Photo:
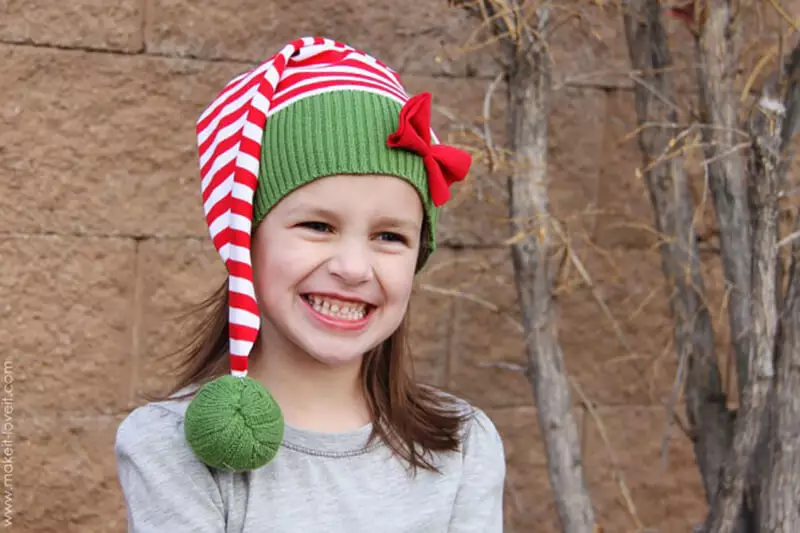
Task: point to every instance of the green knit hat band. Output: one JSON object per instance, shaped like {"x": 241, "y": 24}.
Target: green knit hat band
{"x": 337, "y": 132}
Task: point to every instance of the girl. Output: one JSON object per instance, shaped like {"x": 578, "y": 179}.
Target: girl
{"x": 296, "y": 411}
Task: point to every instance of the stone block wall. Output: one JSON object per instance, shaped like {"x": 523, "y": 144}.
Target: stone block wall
{"x": 102, "y": 242}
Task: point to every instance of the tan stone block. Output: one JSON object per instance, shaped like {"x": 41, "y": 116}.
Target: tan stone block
{"x": 65, "y": 475}
{"x": 575, "y": 148}
{"x": 477, "y": 212}
{"x": 666, "y": 497}
{"x": 638, "y": 367}
{"x": 588, "y": 46}
{"x": 64, "y": 321}
{"x": 408, "y": 40}
{"x": 624, "y": 213}
{"x": 102, "y": 143}
{"x": 485, "y": 338}
{"x": 528, "y": 498}
{"x": 176, "y": 275}
{"x": 431, "y": 319}
{"x": 82, "y": 23}
{"x": 487, "y": 343}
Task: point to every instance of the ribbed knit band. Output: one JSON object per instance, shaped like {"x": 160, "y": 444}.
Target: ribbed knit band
{"x": 339, "y": 132}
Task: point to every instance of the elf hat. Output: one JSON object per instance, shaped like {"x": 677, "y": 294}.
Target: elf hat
{"x": 317, "y": 108}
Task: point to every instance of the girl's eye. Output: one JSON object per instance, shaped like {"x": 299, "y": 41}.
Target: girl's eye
{"x": 392, "y": 237}
{"x": 322, "y": 227}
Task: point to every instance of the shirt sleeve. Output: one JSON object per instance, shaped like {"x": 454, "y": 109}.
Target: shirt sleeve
{"x": 165, "y": 487}
{"x": 479, "y": 501}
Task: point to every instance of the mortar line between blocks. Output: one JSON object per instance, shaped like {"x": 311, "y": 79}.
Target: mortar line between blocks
{"x": 600, "y": 408}
{"x": 447, "y": 368}
{"x": 143, "y": 28}
{"x": 601, "y": 170}
{"x": 61, "y": 420}
{"x": 136, "y": 323}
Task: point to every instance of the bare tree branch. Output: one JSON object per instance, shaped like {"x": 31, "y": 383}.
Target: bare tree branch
{"x": 764, "y": 180}
{"x": 529, "y": 92}
{"x": 618, "y": 475}
{"x": 529, "y": 88}
{"x": 673, "y": 213}
{"x": 780, "y": 512}
{"x": 717, "y": 55}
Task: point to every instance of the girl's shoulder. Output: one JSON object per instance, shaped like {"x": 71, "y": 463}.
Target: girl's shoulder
{"x": 155, "y": 427}
{"x": 472, "y": 414}
{"x": 482, "y": 444}
{"x": 480, "y": 437}
{"x": 166, "y": 487}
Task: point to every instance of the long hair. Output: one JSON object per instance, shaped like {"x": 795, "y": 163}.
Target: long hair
{"x": 413, "y": 419}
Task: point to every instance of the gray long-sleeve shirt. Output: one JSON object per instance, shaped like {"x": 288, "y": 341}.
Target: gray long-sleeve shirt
{"x": 318, "y": 483}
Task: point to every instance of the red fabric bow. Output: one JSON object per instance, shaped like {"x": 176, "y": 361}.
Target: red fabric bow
{"x": 444, "y": 164}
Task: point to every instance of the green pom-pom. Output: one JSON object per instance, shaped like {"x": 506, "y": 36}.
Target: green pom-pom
{"x": 234, "y": 424}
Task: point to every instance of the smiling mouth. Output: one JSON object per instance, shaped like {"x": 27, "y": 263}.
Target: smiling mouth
{"x": 338, "y": 309}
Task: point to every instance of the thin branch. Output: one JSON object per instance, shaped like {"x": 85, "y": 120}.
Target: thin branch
{"x": 592, "y": 287}
{"x": 530, "y": 92}
{"x": 616, "y": 469}
{"x": 665, "y": 176}
{"x": 788, "y": 239}
{"x": 475, "y": 299}
{"x": 487, "y": 129}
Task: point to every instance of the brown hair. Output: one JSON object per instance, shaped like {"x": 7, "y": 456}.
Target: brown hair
{"x": 413, "y": 419}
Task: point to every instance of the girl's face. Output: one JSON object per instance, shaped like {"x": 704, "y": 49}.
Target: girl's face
{"x": 334, "y": 266}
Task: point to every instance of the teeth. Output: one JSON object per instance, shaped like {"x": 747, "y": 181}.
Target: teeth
{"x": 337, "y": 309}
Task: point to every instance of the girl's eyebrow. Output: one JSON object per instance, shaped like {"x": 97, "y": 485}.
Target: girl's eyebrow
{"x": 397, "y": 223}
{"x": 312, "y": 211}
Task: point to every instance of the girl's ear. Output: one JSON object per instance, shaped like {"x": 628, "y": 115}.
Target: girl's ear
{"x": 424, "y": 245}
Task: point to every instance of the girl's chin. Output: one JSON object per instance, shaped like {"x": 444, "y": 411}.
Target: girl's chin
{"x": 336, "y": 352}
{"x": 337, "y": 360}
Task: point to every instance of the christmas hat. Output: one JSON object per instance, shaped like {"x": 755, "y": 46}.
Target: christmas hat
{"x": 317, "y": 108}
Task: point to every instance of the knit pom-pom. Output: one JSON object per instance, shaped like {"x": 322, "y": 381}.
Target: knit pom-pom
{"x": 234, "y": 424}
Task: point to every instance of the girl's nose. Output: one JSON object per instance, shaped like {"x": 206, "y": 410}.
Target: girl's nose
{"x": 351, "y": 263}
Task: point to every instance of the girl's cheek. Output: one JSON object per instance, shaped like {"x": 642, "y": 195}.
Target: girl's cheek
{"x": 397, "y": 276}
{"x": 292, "y": 248}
